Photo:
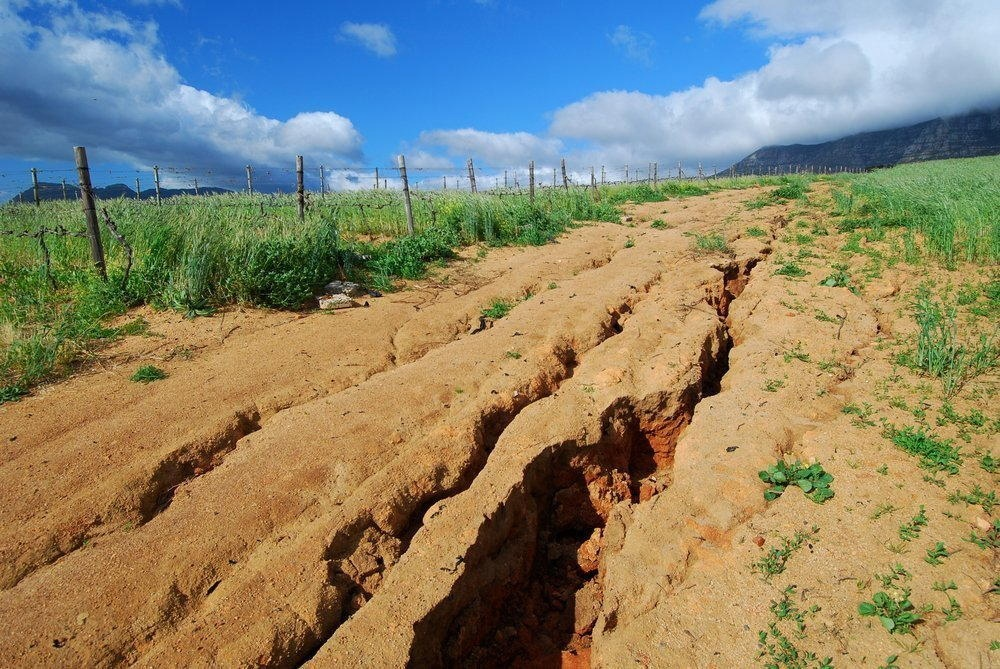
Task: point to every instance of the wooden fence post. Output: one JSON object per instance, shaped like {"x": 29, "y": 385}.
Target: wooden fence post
{"x": 593, "y": 180}
{"x": 472, "y": 176}
{"x": 444, "y": 179}
{"x": 322, "y": 182}
{"x": 90, "y": 211}
{"x": 156, "y": 181}
{"x": 300, "y": 186}
{"x": 34, "y": 186}
{"x": 531, "y": 181}
{"x": 376, "y": 178}
{"x": 138, "y": 193}
{"x": 565, "y": 178}
{"x": 680, "y": 173}
{"x": 655, "y": 175}
{"x": 249, "y": 180}
{"x": 603, "y": 175}
{"x": 401, "y": 159}
{"x": 64, "y": 188}
{"x": 626, "y": 172}
{"x": 505, "y": 179}
{"x": 196, "y": 187}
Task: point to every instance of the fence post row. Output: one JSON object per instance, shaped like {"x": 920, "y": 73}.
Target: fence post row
{"x": 300, "y": 186}
{"x": 34, "y": 186}
{"x": 90, "y": 211}
{"x": 249, "y": 180}
{"x": 156, "y": 181}
{"x": 406, "y": 192}
{"x": 196, "y": 187}
{"x": 138, "y": 193}
{"x": 64, "y": 188}
{"x": 531, "y": 181}
{"x": 472, "y": 176}
{"x": 562, "y": 165}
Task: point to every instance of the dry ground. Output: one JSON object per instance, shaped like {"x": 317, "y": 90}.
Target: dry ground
{"x": 575, "y": 485}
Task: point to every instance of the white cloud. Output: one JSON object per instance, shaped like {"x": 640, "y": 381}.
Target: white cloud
{"x": 376, "y": 37}
{"x": 97, "y": 79}
{"x": 494, "y": 148}
{"x": 637, "y": 46}
{"x": 835, "y": 67}
{"x": 147, "y": 3}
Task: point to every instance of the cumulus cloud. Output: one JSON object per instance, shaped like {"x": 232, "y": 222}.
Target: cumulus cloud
{"x": 98, "y": 79}
{"x": 637, "y": 46}
{"x": 375, "y": 37}
{"x": 835, "y": 67}
{"x": 495, "y": 148}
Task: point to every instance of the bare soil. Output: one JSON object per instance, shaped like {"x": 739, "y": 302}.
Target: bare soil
{"x": 575, "y": 485}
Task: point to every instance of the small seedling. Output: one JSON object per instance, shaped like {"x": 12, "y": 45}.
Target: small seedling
{"x": 954, "y": 610}
{"x": 791, "y": 269}
{"x": 629, "y": 243}
{"x": 935, "y": 454}
{"x": 754, "y": 231}
{"x": 883, "y": 470}
{"x": 897, "y": 572}
{"x": 942, "y": 586}
{"x": 896, "y": 615}
{"x": 911, "y": 530}
{"x": 936, "y": 555}
{"x": 797, "y": 354}
{"x": 812, "y": 480}
{"x": 498, "y": 308}
{"x": 148, "y": 374}
{"x": 660, "y": 224}
{"x": 989, "y": 463}
{"x": 976, "y": 497}
{"x": 890, "y": 662}
{"x": 514, "y": 355}
{"x": 773, "y": 385}
{"x": 882, "y": 509}
{"x": 776, "y": 558}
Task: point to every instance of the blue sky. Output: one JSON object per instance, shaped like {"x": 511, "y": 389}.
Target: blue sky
{"x": 206, "y": 87}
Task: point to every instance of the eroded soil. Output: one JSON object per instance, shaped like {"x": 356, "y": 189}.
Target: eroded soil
{"x": 574, "y": 486}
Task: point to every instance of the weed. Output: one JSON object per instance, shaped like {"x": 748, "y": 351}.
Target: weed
{"x": 883, "y": 469}
{"x": 991, "y": 538}
{"x": 797, "y": 354}
{"x": 775, "y": 645}
{"x": 774, "y": 560}
{"x": 976, "y": 497}
{"x": 890, "y": 663}
{"x": 514, "y": 355}
{"x": 936, "y": 554}
{"x": 896, "y": 573}
{"x": 660, "y": 224}
{"x": 813, "y": 480}
{"x": 754, "y": 231}
{"x": 553, "y": 285}
{"x": 883, "y": 509}
{"x": 898, "y": 616}
{"x": 498, "y": 308}
{"x": 988, "y": 463}
{"x": 791, "y": 269}
{"x": 935, "y": 454}
{"x": 629, "y": 243}
{"x": 839, "y": 279}
{"x": 148, "y": 374}
{"x": 863, "y": 413}
{"x": 711, "y": 243}
{"x": 825, "y": 317}
{"x": 773, "y": 385}
{"x": 911, "y": 530}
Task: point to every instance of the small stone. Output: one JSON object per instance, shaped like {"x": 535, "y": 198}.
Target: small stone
{"x": 344, "y": 288}
{"x": 982, "y": 523}
{"x": 339, "y": 301}
{"x": 759, "y": 540}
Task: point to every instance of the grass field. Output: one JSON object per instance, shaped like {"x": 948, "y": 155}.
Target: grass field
{"x": 195, "y": 254}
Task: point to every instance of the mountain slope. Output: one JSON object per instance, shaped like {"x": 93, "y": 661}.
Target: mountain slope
{"x": 966, "y": 136}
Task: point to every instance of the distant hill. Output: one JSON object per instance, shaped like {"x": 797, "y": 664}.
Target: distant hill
{"x": 965, "y": 136}
{"x": 54, "y": 191}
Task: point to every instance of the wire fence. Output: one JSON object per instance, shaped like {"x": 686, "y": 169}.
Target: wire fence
{"x": 141, "y": 183}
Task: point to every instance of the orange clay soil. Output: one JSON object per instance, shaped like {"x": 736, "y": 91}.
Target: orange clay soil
{"x": 574, "y": 486}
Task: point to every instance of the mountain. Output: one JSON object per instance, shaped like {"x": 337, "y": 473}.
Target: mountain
{"x": 965, "y": 136}
{"x": 54, "y": 191}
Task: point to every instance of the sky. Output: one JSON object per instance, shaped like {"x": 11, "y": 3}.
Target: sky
{"x": 204, "y": 88}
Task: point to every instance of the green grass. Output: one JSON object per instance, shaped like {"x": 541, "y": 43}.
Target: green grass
{"x": 948, "y": 205}
{"x": 148, "y": 374}
{"x": 196, "y": 254}
{"x": 935, "y": 454}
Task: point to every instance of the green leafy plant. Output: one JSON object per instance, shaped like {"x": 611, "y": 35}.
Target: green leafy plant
{"x": 911, "y": 530}
{"x": 890, "y": 663}
{"x": 498, "y": 308}
{"x": 711, "y": 243}
{"x": 660, "y": 224}
{"x": 897, "y": 615}
{"x": 935, "y": 454}
{"x": 989, "y": 463}
{"x": 812, "y": 480}
{"x": 989, "y": 540}
{"x": 773, "y": 385}
{"x": 776, "y": 558}
{"x": 148, "y": 374}
{"x": 936, "y": 554}
{"x": 976, "y": 497}
{"x": 754, "y": 231}
{"x": 791, "y": 269}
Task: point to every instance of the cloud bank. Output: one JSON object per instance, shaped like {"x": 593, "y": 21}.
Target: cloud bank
{"x": 98, "y": 79}
{"x": 834, "y": 67}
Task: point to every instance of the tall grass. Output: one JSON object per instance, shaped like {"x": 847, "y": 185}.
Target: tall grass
{"x": 196, "y": 254}
{"x": 953, "y": 206}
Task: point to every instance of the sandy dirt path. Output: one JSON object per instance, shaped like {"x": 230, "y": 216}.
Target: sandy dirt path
{"x": 385, "y": 487}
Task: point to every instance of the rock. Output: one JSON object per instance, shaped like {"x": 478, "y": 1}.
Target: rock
{"x": 586, "y": 606}
{"x": 588, "y": 555}
{"x": 339, "y": 301}
{"x": 344, "y": 288}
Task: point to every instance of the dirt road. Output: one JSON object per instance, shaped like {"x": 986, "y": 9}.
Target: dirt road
{"x": 574, "y": 485}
